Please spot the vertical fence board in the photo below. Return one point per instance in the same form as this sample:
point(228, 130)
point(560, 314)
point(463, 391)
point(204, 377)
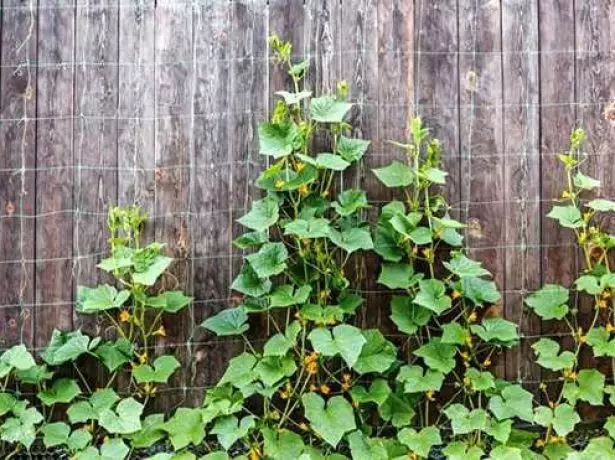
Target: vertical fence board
point(173, 146)
point(54, 156)
point(480, 128)
point(359, 67)
point(522, 173)
point(18, 27)
point(94, 146)
point(136, 73)
point(557, 117)
point(595, 89)
point(212, 206)
point(436, 100)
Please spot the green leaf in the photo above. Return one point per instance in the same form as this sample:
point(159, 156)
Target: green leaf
point(405, 224)
point(272, 369)
point(163, 368)
point(415, 380)
point(17, 357)
point(240, 371)
point(398, 410)
point(169, 301)
point(269, 260)
point(293, 98)
point(432, 295)
point(567, 216)
point(115, 354)
point(21, 428)
point(125, 419)
point(352, 239)
point(549, 356)
point(62, 391)
point(149, 276)
point(101, 298)
point(248, 283)
point(325, 161)
point(263, 214)
point(563, 418)
point(407, 316)
point(307, 229)
point(229, 429)
point(350, 149)
point(454, 333)
point(397, 276)
point(602, 205)
point(232, 321)
point(282, 444)
point(589, 387)
point(83, 411)
point(277, 140)
point(251, 240)
point(330, 422)
point(386, 246)
point(327, 109)
point(422, 441)
point(185, 427)
point(585, 182)
point(151, 432)
point(437, 355)
point(286, 295)
point(513, 401)
point(480, 381)
point(279, 344)
point(379, 392)
point(464, 421)
point(497, 331)
point(349, 201)
point(112, 449)
point(589, 284)
point(344, 340)
point(506, 453)
point(364, 448)
point(479, 291)
point(281, 177)
point(500, 431)
point(458, 450)
point(7, 403)
point(421, 235)
point(463, 267)
point(396, 174)
point(67, 346)
point(550, 302)
point(600, 340)
point(435, 175)
point(609, 426)
point(55, 434)
point(377, 354)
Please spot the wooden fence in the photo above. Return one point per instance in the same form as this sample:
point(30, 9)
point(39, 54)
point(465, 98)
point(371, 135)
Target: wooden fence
point(157, 103)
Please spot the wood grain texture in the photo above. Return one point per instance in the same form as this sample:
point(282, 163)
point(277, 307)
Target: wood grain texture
point(595, 89)
point(18, 34)
point(521, 130)
point(212, 206)
point(359, 67)
point(174, 194)
point(481, 138)
point(557, 118)
point(54, 181)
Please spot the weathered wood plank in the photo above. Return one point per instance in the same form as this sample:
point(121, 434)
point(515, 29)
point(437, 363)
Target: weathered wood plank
point(136, 73)
point(54, 181)
point(521, 215)
point(436, 100)
point(18, 36)
point(595, 89)
point(481, 137)
point(557, 118)
point(212, 205)
point(323, 46)
point(95, 150)
point(174, 194)
point(395, 109)
point(359, 67)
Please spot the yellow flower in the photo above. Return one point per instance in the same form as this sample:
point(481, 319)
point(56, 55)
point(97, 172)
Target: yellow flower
point(487, 362)
point(299, 166)
point(456, 294)
point(610, 327)
point(325, 389)
point(324, 194)
point(161, 331)
point(143, 357)
point(430, 395)
point(346, 386)
point(473, 317)
point(124, 316)
point(303, 426)
point(303, 189)
point(279, 183)
point(601, 304)
point(254, 454)
point(313, 387)
point(312, 368)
